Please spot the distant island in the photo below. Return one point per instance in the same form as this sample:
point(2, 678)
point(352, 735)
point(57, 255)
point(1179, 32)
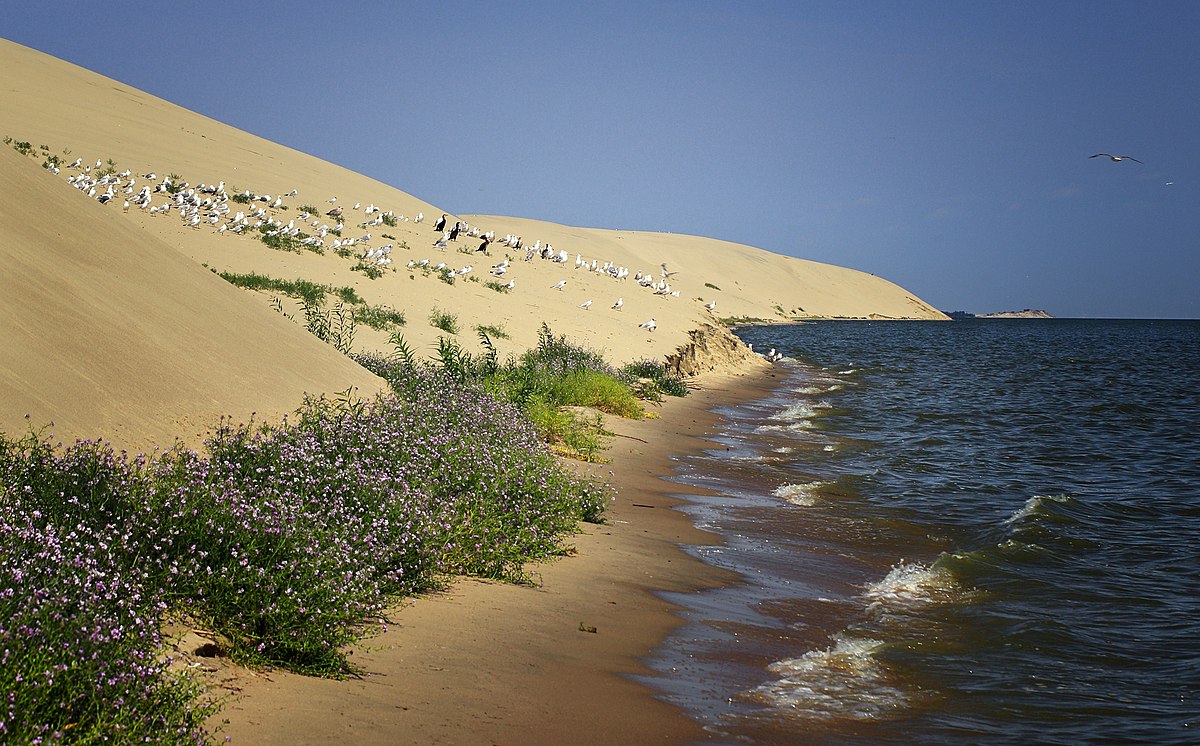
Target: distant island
point(1028, 313)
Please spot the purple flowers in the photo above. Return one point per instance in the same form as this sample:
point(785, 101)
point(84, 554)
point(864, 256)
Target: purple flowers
point(287, 540)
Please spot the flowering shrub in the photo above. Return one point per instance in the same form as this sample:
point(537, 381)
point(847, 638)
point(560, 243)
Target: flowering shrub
point(288, 540)
point(81, 657)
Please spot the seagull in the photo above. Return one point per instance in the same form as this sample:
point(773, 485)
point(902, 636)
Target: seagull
point(586, 305)
point(559, 285)
point(620, 302)
point(648, 325)
point(710, 306)
point(441, 223)
point(667, 275)
point(510, 284)
point(1115, 158)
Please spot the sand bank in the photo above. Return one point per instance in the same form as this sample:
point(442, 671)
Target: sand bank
point(487, 662)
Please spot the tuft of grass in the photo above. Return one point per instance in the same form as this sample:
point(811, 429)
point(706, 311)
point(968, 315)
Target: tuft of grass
point(306, 290)
point(497, 332)
point(444, 320)
point(309, 209)
point(379, 317)
point(370, 270)
point(390, 221)
point(499, 287)
point(650, 379)
point(710, 285)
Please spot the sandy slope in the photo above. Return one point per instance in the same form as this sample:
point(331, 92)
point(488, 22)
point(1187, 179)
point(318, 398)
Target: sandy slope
point(48, 101)
point(112, 333)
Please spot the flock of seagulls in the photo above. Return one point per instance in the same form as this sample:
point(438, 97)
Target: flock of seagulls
point(213, 207)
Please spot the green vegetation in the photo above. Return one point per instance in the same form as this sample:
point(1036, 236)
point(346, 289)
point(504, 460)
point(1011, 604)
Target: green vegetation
point(444, 320)
point(310, 209)
point(710, 285)
point(495, 332)
point(499, 287)
point(372, 271)
point(735, 320)
point(305, 290)
point(379, 317)
point(390, 221)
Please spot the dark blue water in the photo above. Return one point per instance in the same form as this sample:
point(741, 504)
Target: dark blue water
point(967, 532)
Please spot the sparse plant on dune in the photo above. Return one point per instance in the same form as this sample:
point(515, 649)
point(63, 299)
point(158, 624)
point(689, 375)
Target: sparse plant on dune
point(372, 271)
point(499, 287)
point(444, 320)
point(390, 221)
point(710, 285)
point(492, 330)
point(334, 325)
point(379, 317)
point(309, 209)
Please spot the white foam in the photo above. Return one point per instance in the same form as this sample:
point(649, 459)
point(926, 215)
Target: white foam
point(908, 587)
point(845, 681)
point(801, 411)
point(803, 495)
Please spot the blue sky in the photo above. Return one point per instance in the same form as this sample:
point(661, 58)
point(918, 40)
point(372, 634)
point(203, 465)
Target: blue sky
point(941, 145)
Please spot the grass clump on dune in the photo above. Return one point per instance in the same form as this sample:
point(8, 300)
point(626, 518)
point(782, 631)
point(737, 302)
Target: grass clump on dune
point(305, 290)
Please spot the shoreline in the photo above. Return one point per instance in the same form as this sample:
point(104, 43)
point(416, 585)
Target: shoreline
point(490, 662)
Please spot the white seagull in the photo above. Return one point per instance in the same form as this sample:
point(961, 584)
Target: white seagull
point(586, 305)
point(559, 285)
point(667, 275)
point(710, 306)
point(1115, 158)
point(620, 302)
point(648, 325)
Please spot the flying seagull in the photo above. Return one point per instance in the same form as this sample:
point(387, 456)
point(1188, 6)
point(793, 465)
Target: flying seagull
point(667, 275)
point(1115, 158)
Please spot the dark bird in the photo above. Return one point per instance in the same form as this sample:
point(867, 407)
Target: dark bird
point(483, 246)
point(454, 232)
point(440, 224)
point(1115, 158)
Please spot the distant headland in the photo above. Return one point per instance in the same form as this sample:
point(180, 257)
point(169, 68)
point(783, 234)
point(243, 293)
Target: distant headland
point(1028, 313)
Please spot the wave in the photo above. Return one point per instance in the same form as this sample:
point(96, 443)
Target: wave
point(845, 681)
point(804, 495)
point(909, 587)
point(1038, 505)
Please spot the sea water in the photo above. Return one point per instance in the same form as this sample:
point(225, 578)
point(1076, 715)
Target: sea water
point(960, 532)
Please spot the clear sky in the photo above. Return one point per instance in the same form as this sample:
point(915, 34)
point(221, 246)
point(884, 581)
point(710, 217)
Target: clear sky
point(942, 145)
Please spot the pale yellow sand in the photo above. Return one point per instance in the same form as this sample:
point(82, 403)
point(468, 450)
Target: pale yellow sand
point(48, 101)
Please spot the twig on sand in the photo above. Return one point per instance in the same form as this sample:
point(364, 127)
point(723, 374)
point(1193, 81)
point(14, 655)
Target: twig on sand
point(631, 437)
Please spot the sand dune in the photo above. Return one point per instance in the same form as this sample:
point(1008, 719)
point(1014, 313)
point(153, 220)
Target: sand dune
point(55, 238)
point(112, 333)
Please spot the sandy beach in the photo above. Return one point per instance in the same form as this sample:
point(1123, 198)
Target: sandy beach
point(487, 662)
point(119, 328)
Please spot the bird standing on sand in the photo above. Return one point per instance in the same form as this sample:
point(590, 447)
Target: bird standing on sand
point(648, 325)
point(710, 306)
point(586, 305)
point(440, 224)
point(483, 246)
point(1115, 158)
point(559, 285)
point(617, 306)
